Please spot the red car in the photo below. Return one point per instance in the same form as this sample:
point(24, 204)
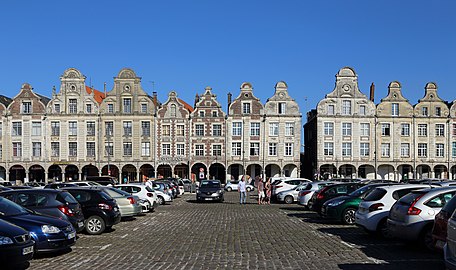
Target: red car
point(439, 231)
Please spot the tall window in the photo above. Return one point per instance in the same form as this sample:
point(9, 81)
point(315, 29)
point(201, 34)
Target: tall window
point(180, 149)
point(90, 149)
point(199, 130)
point(16, 129)
point(273, 129)
point(288, 149)
point(127, 128)
point(201, 113)
point(246, 108)
point(362, 110)
point(127, 149)
point(453, 149)
point(72, 128)
point(405, 150)
point(127, 105)
point(73, 149)
point(145, 128)
point(180, 131)
point(346, 129)
point(166, 130)
point(199, 150)
point(254, 129)
point(439, 150)
point(217, 150)
point(144, 107)
point(273, 149)
point(422, 130)
point(72, 105)
point(109, 149)
point(364, 149)
point(17, 149)
point(422, 150)
point(438, 111)
point(439, 130)
point(216, 130)
point(26, 107)
point(328, 128)
point(328, 149)
point(364, 129)
point(91, 128)
point(57, 108)
point(110, 108)
point(289, 129)
point(386, 129)
point(173, 110)
point(346, 149)
point(55, 149)
point(424, 111)
point(36, 128)
point(385, 147)
point(405, 129)
point(36, 149)
point(254, 149)
point(330, 109)
point(166, 149)
point(346, 107)
point(89, 108)
point(454, 129)
point(109, 128)
point(395, 109)
point(282, 108)
point(214, 114)
point(236, 149)
point(237, 129)
point(145, 149)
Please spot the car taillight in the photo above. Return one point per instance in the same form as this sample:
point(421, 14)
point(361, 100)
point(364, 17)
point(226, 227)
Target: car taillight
point(132, 200)
point(304, 192)
point(278, 187)
point(413, 211)
point(104, 206)
point(375, 207)
point(321, 194)
point(150, 194)
point(66, 210)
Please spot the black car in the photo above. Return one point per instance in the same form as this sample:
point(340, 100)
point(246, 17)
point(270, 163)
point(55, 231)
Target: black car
point(16, 245)
point(20, 187)
point(329, 192)
point(210, 190)
point(59, 185)
point(100, 210)
point(56, 203)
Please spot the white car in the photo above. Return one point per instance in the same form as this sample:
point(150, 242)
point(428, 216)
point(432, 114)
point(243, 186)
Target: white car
point(142, 191)
point(305, 194)
point(290, 196)
point(373, 211)
point(287, 184)
point(162, 197)
point(233, 186)
point(85, 183)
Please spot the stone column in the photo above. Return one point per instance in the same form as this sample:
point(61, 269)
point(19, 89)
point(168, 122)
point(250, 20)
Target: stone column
point(432, 174)
point(46, 175)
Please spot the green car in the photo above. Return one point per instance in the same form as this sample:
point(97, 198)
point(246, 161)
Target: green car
point(343, 208)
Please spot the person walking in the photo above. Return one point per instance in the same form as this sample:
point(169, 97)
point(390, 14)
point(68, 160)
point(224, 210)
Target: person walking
point(268, 191)
point(242, 192)
point(260, 192)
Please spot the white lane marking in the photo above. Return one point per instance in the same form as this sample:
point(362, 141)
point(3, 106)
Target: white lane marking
point(80, 263)
point(347, 244)
point(123, 236)
point(105, 247)
point(135, 229)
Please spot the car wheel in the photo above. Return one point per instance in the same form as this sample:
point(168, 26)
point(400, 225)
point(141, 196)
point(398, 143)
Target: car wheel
point(95, 225)
point(248, 189)
point(288, 199)
point(161, 200)
point(382, 229)
point(229, 189)
point(348, 217)
point(426, 238)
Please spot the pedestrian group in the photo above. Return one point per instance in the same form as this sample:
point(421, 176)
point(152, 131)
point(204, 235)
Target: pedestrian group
point(264, 190)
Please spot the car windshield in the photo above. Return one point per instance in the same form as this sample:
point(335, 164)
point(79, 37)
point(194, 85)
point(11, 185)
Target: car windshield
point(66, 197)
point(360, 191)
point(8, 208)
point(210, 184)
point(149, 189)
point(375, 195)
point(121, 192)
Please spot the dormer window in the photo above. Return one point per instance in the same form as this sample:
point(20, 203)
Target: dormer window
point(72, 106)
point(201, 113)
point(214, 114)
point(346, 107)
point(362, 110)
point(282, 108)
point(144, 108)
point(26, 107)
point(57, 108)
point(330, 109)
point(127, 105)
point(89, 108)
point(173, 110)
point(111, 108)
point(438, 111)
point(424, 111)
point(395, 109)
point(245, 108)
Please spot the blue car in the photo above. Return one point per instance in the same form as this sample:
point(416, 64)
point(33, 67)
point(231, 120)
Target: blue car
point(50, 234)
point(16, 245)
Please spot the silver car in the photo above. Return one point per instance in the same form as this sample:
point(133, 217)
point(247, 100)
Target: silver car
point(412, 216)
point(305, 194)
point(128, 204)
point(449, 250)
point(291, 195)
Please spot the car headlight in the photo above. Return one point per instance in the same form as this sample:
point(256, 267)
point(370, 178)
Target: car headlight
point(50, 229)
point(336, 203)
point(5, 240)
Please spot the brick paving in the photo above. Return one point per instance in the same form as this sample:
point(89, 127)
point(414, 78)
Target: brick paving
point(190, 235)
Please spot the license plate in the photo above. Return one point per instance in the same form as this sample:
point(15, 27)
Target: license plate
point(208, 199)
point(27, 250)
point(80, 224)
point(439, 244)
point(71, 235)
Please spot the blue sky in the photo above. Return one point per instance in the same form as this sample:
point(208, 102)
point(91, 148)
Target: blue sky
point(188, 45)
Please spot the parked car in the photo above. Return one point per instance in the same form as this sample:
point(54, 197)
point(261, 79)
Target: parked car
point(439, 231)
point(86, 183)
point(286, 184)
point(412, 217)
point(51, 202)
point(306, 194)
point(233, 186)
point(449, 249)
point(20, 187)
point(35, 184)
point(181, 186)
point(373, 210)
point(104, 180)
point(2, 188)
point(6, 183)
point(291, 195)
point(16, 245)
point(169, 187)
point(210, 190)
point(329, 192)
point(128, 204)
point(59, 185)
point(343, 208)
point(144, 192)
point(163, 187)
point(187, 185)
point(50, 234)
point(100, 210)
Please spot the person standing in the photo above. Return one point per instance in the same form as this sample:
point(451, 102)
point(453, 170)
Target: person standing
point(268, 190)
point(260, 192)
point(242, 192)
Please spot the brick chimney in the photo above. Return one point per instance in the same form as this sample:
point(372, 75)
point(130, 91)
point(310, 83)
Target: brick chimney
point(229, 103)
point(372, 92)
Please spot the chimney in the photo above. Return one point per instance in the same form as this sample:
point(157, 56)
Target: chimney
point(197, 99)
point(372, 91)
point(104, 88)
point(229, 102)
point(154, 98)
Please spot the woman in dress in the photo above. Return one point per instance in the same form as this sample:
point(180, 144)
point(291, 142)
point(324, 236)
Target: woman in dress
point(268, 187)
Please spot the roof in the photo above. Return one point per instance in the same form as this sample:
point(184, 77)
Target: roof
point(5, 100)
point(99, 96)
point(186, 105)
point(44, 99)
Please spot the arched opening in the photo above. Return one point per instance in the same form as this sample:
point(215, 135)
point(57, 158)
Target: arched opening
point(386, 172)
point(199, 171)
point(253, 170)
point(290, 170)
point(405, 172)
point(272, 170)
point(453, 173)
point(36, 173)
point(17, 174)
point(111, 170)
point(71, 173)
point(234, 171)
point(164, 171)
point(366, 171)
point(89, 170)
point(347, 171)
point(2, 173)
point(129, 173)
point(441, 171)
point(55, 173)
point(423, 171)
point(146, 171)
point(181, 170)
point(217, 171)
point(327, 171)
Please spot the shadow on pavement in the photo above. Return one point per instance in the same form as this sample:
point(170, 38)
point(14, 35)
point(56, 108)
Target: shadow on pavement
point(51, 254)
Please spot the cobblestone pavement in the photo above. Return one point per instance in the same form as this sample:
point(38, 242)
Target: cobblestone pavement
point(190, 235)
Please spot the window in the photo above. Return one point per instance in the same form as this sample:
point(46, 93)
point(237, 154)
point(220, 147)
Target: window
point(438, 111)
point(273, 149)
point(180, 130)
point(145, 128)
point(180, 149)
point(454, 129)
point(1, 150)
point(346, 129)
point(424, 111)
point(214, 114)
point(199, 150)
point(90, 149)
point(405, 129)
point(346, 149)
point(328, 128)
point(246, 108)
point(453, 149)
point(127, 128)
point(36, 149)
point(26, 107)
point(36, 128)
point(217, 150)
point(364, 149)
point(166, 149)
point(144, 107)
point(288, 149)
point(216, 130)
point(273, 129)
point(439, 150)
point(110, 108)
point(405, 150)
point(346, 107)
point(282, 108)
point(109, 128)
point(145, 149)
point(422, 130)
point(364, 129)
point(166, 130)
point(254, 129)
point(17, 129)
point(385, 129)
point(72, 105)
point(289, 129)
point(422, 150)
point(254, 149)
point(237, 128)
point(199, 130)
point(1, 129)
point(201, 113)
point(328, 148)
point(73, 149)
point(362, 110)
point(55, 149)
point(330, 109)
point(439, 130)
point(109, 149)
point(17, 149)
point(72, 128)
point(173, 110)
point(236, 149)
point(127, 105)
point(91, 128)
point(127, 149)
point(89, 108)
point(57, 108)
point(395, 109)
point(385, 148)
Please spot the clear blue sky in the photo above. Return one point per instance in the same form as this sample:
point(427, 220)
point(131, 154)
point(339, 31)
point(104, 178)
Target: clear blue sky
point(188, 45)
